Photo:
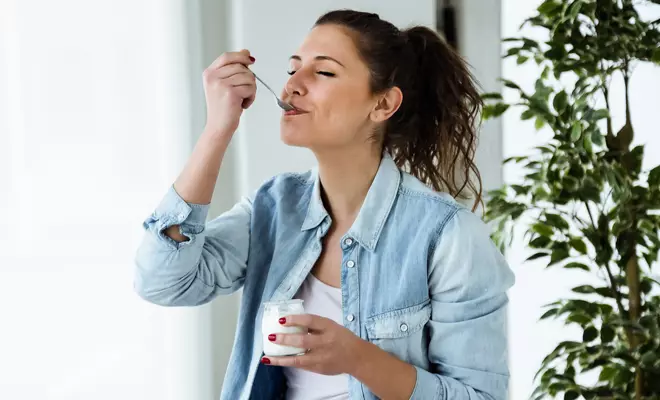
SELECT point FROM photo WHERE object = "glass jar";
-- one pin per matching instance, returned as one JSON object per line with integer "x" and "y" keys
{"x": 270, "y": 324}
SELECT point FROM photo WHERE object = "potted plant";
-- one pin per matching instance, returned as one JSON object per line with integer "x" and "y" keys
{"x": 585, "y": 201}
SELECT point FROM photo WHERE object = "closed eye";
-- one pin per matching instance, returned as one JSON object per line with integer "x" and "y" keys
{"x": 324, "y": 73}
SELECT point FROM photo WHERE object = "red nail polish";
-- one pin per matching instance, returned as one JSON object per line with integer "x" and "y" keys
{"x": 265, "y": 360}
{"x": 252, "y": 59}
{"x": 271, "y": 338}
{"x": 282, "y": 321}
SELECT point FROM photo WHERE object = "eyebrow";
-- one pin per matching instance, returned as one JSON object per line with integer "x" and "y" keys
{"x": 319, "y": 58}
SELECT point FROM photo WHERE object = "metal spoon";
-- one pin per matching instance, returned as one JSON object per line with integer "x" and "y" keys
{"x": 284, "y": 106}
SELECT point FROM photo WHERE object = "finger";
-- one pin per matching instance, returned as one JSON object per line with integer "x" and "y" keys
{"x": 289, "y": 361}
{"x": 230, "y": 70}
{"x": 237, "y": 57}
{"x": 248, "y": 102}
{"x": 243, "y": 79}
{"x": 310, "y": 321}
{"x": 244, "y": 92}
{"x": 304, "y": 341}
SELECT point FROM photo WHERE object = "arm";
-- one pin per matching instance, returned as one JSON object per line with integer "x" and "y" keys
{"x": 196, "y": 182}
{"x": 468, "y": 279}
{"x": 211, "y": 261}
{"x": 182, "y": 261}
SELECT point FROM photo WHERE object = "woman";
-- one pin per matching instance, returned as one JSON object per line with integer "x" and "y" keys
{"x": 404, "y": 290}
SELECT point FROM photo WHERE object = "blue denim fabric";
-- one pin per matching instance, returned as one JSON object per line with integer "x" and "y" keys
{"x": 426, "y": 283}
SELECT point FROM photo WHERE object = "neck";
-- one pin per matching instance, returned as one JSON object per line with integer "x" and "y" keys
{"x": 345, "y": 179}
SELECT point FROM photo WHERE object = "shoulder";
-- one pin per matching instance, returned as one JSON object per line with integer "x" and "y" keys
{"x": 290, "y": 189}
{"x": 427, "y": 205}
{"x": 453, "y": 223}
{"x": 288, "y": 181}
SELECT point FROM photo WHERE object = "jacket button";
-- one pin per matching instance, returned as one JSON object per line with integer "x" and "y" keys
{"x": 350, "y": 317}
{"x": 404, "y": 328}
{"x": 350, "y": 264}
{"x": 348, "y": 241}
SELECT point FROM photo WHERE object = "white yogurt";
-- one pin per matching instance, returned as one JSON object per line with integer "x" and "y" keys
{"x": 270, "y": 324}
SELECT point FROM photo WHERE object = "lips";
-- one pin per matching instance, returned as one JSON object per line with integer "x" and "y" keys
{"x": 300, "y": 110}
{"x": 295, "y": 112}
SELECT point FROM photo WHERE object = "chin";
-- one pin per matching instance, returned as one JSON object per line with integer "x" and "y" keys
{"x": 293, "y": 136}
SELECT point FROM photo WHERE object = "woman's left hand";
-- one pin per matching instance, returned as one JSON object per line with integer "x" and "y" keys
{"x": 332, "y": 348}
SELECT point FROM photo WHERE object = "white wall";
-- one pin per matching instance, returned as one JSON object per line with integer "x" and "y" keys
{"x": 479, "y": 42}
{"x": 95, "y": 126}
{"x": 531, "y": 340}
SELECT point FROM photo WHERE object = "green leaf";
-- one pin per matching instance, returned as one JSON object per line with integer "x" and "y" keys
{"x": 584, "y": 289}
{"x": 597, "y": 138}
{"x": 499, "y": 109}
{"x": 649, "y": 358}
{"x": 560, "y": 101}
{"x": 576, "y": 265}
{"x": 654, "y": 177}
{"x": 542, "y": 229}
{"x": 537, "y": 255}
{"x": 527, "y": 114}
{"x": 579, "y": 318}
{"x": 607, "y": 333}
{"x": 491, "y": 96}
{"x": 589, "y": 334}
{"x": 521, "y": 60}
{"x": 538, "y": 124}
{"x": 571, "y": 395}
{"x": 600, "y": 114}
{"x": 656, "y": 56}
{"x": 549, "y": 313}
{"x": 623, "y": 377}
{"x": 587, "y": 144}
{"x": 540, "y": 242}
{"x": 578, "y": 244}
{"x": 548, "y": 7}
{"x": 607, "y": 373}
{"x": 520, "y": 189}
{"x": 510, "y": 84}
{"x": 557, "y": 221}
{"x": 576, "y": 131}
{"x": 558, "y": 255}
{"x": 574, "y": 10}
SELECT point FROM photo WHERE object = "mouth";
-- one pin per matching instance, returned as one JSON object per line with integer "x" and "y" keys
{"x": 295, "y": 111}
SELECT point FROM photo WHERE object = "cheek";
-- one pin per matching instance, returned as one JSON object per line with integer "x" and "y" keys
{"x": 342, "y": 109}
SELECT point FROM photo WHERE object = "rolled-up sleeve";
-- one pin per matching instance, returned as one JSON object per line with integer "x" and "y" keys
{"x": 193, "y": 272}
{"x": 468, "y": 280}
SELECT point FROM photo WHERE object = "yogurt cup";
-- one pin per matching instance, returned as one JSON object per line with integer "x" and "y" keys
{"x": 270, "y": 324}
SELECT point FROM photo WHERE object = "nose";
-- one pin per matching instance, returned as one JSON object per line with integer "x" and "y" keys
{"x": 295, "y": 86}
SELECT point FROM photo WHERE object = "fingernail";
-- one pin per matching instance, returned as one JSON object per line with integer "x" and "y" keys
{"x": 265, "y": 360}
{"x": 271, "y": 338}
{"x": 252, "y": 59}
{"x": 282, "y": 321}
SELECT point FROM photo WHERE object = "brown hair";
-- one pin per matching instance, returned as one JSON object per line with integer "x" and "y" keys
{"x": 433, "y": 133}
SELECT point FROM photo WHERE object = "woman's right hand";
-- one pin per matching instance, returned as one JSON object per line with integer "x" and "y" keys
{"x": 229, "y": 88}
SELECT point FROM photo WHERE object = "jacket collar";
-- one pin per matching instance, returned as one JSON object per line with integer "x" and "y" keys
{"x": 374, "y": 211}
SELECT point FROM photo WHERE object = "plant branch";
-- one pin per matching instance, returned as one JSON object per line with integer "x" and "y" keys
{"x": 613, "y": 285}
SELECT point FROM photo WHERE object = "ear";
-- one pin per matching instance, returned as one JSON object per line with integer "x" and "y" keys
{"x": 388, "y": 103}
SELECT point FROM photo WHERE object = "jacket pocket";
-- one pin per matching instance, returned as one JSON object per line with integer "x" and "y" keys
{"x": 398, "y": 324}
{"x": 401, "y": 333}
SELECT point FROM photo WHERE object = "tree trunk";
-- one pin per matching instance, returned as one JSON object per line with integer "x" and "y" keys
{"x": 635, "y": 302}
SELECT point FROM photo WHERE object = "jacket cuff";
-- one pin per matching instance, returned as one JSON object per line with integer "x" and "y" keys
{"x": 427, "y": 386}
{"x": 173, "y": 210}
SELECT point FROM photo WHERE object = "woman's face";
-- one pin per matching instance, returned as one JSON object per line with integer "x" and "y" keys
{"x": 329, "y": 84}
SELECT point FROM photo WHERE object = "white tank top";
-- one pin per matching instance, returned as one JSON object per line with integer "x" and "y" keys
{"x": 323, "y": 300}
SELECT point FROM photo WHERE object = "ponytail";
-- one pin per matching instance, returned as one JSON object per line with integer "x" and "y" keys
{"x": 433, "y": 134}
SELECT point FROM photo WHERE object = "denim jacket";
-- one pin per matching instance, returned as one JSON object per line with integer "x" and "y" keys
{"x": 420, "y": 278}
